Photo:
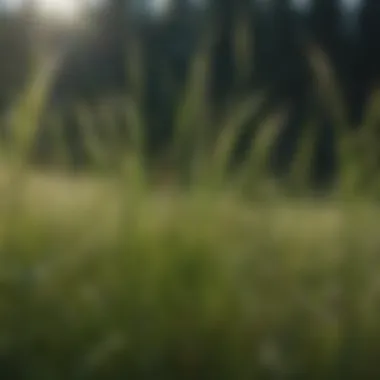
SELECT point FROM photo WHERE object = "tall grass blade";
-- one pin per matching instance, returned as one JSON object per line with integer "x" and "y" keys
{"x": 368, "y": 134}
{"x": 302, "y": 163}
{"x": 24, "y": 119}
{"x": 191, "y": 121}
{"x": 226, "y": 142}
{"x": 135, "y": 158}
{"x": 94, "y": 146}
{"x": 254, "y": 172}
{"x": 332, "y": 100}
{"x": 26, "y": 113}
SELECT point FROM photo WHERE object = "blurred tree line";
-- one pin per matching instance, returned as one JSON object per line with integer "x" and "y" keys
{"x": 273, "y": 37}
{"x": 16, "y": 53}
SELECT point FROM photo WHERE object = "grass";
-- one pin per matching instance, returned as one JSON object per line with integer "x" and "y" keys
{"x": 98, "y": 282}
{"x": 113, "y": 277}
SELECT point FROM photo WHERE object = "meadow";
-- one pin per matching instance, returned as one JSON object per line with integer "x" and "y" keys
{"x": 109, "y": 275}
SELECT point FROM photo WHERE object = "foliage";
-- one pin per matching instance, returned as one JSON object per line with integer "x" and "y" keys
{"x": 194, "y": 286}
{"x": 218, "y": 273}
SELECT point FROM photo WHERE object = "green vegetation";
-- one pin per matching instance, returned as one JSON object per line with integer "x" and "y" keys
{"x": 188, "y": 269}
{"x": 115, "y": 276}
{"x": 98, "y": 284}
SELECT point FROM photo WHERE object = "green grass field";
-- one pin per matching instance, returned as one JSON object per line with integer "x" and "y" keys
{"x": 99, "y": 281}
{"x": 113, "y": 277}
